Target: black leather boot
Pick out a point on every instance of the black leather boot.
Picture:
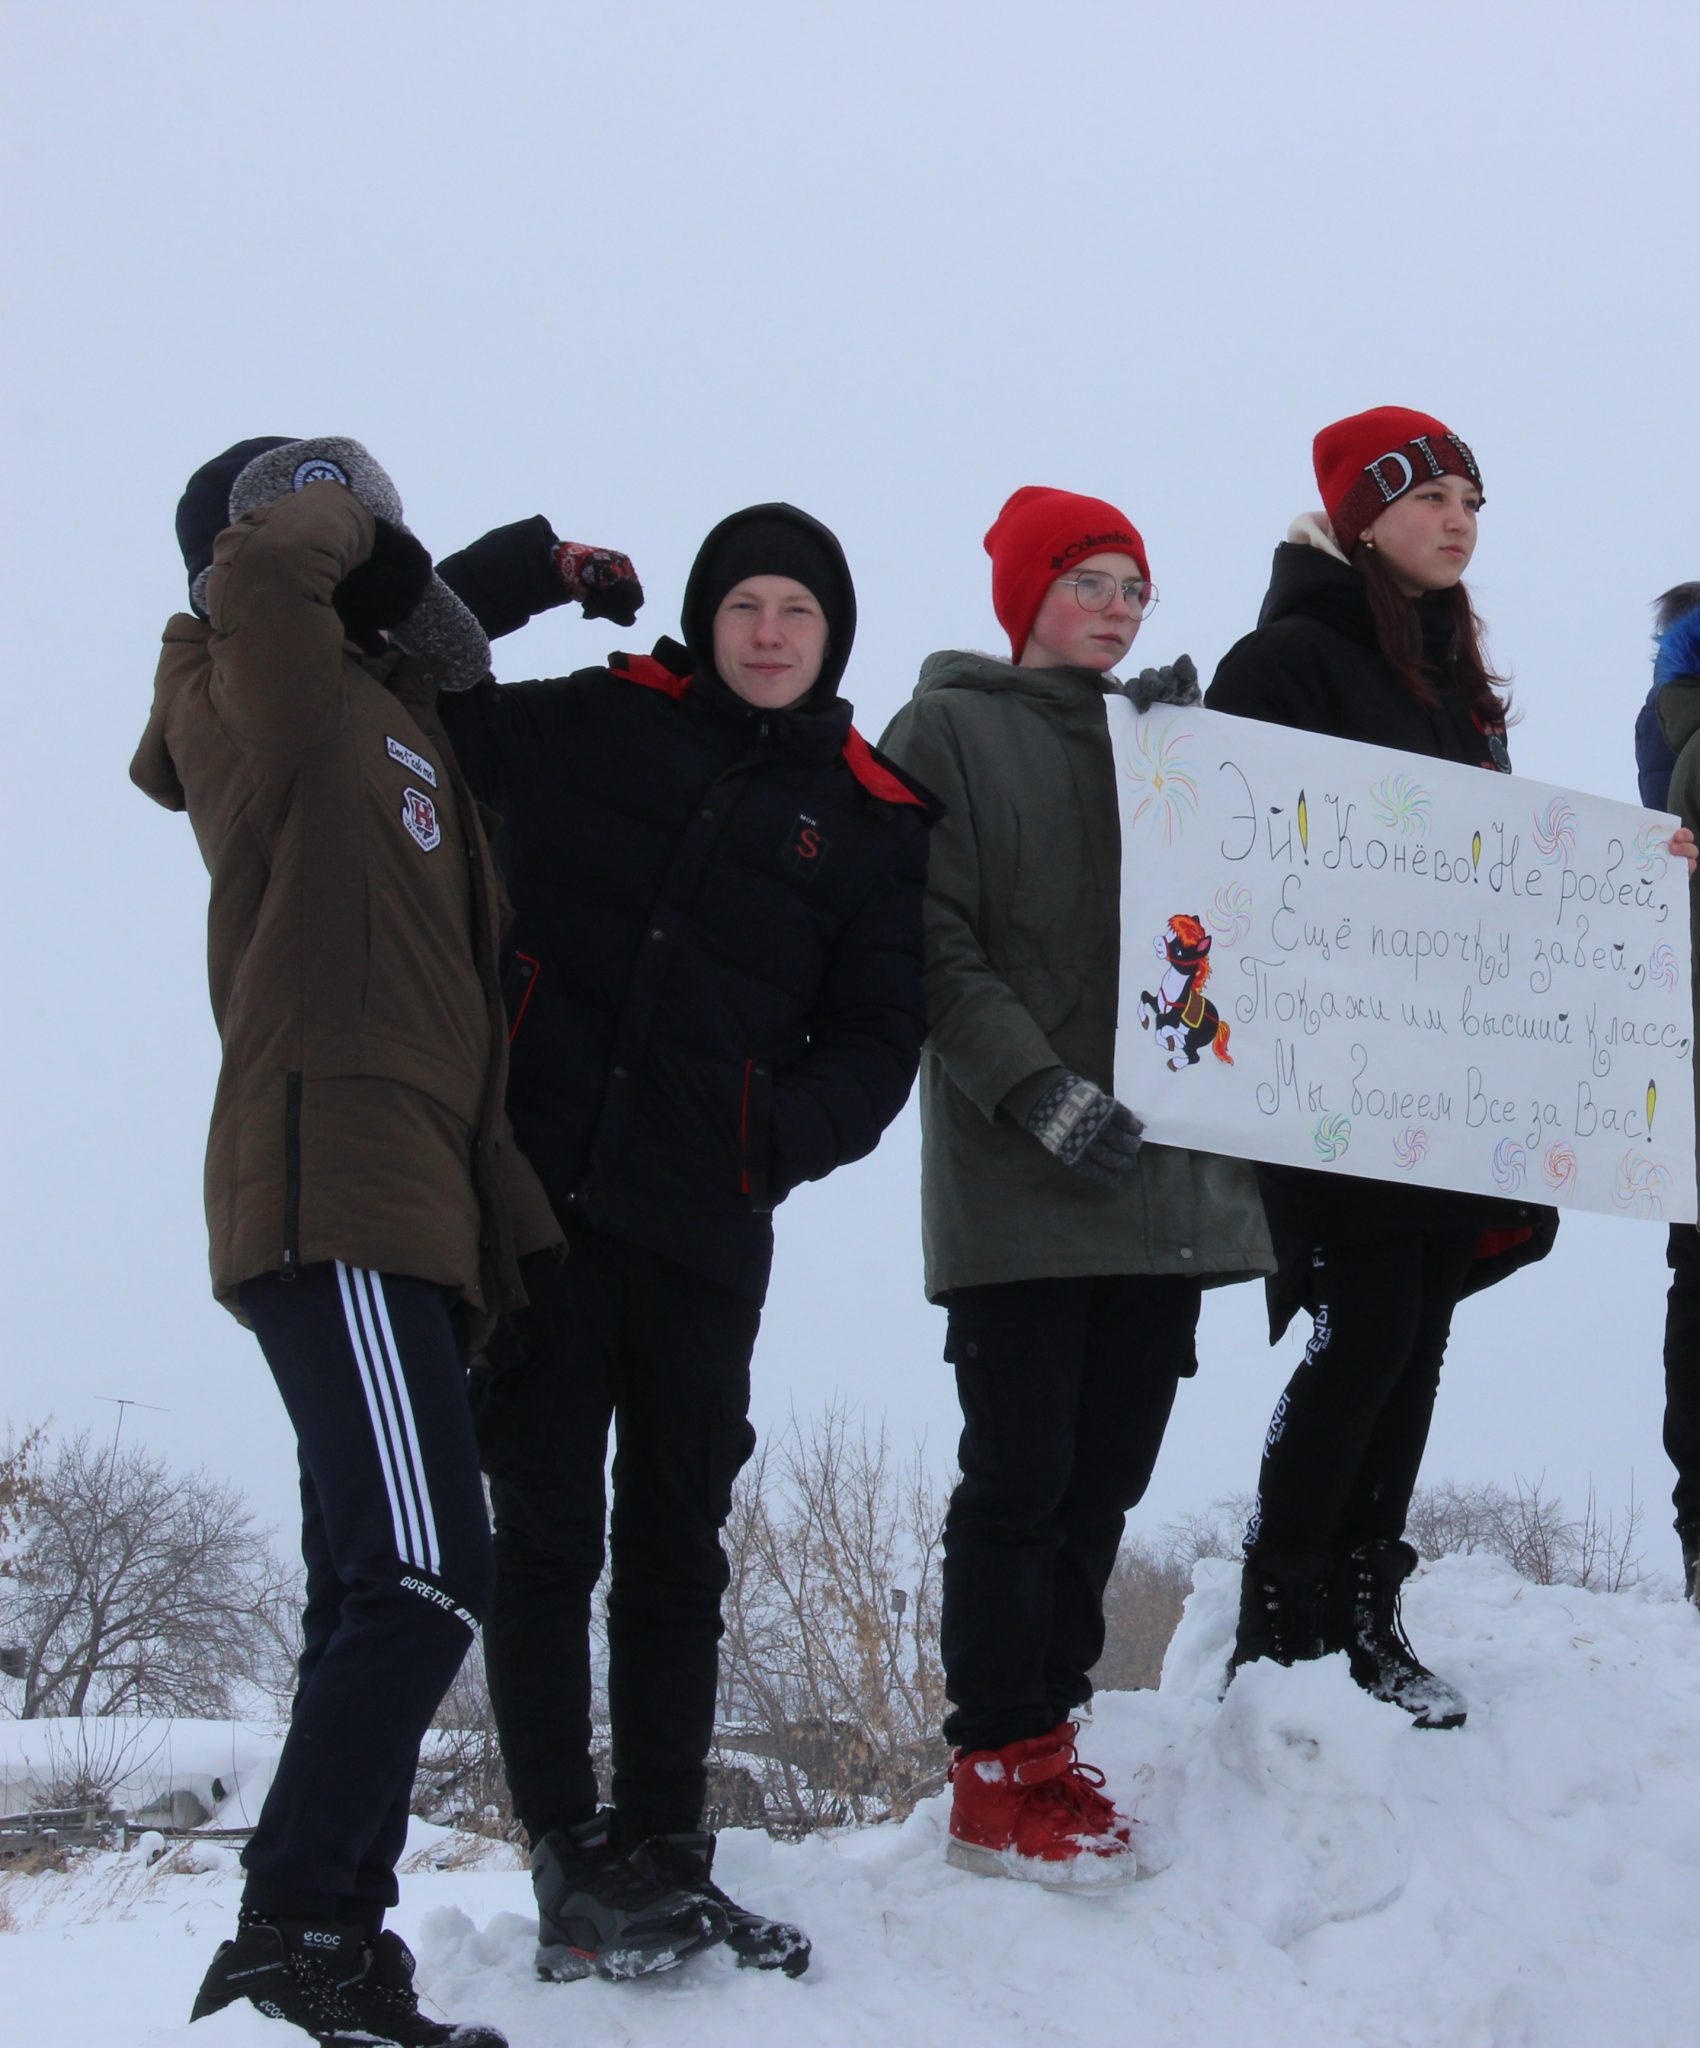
(298, 1971)
(759, 1944)
(1283, 1611)
(1366, 1621)
(597, 1912)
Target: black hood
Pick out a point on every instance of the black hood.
(203, 511)
(1307, 582)
(774, 540)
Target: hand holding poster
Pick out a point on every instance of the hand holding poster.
(1342, 957)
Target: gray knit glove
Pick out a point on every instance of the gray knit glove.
(1079, 1124)
(1174, 683)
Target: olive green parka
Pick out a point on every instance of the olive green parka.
(1023, 936)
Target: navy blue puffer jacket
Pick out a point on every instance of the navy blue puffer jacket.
(714, 970)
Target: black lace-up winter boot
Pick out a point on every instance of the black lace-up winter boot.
(294, 1970)
(1689, 1536)
(597, 1912)
(1283, 1612)
(389, 2006)
(1366, 1594)
(687, 1861)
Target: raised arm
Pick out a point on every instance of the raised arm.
(277, 640)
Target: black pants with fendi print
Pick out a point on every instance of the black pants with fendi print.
(1346, 1441)
(620, 1335)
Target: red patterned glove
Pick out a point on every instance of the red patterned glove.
(603, 582)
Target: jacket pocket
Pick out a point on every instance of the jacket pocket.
(755, 1111)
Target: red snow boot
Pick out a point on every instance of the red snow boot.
(1033, 1810)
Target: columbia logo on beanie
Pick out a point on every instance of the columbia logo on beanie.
(1040, 533)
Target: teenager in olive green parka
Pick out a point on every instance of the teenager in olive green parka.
(1070, 1256)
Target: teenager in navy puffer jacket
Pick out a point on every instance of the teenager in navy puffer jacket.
(714, 979)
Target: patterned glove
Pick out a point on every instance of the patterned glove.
(1087, 1129)
(602, 581)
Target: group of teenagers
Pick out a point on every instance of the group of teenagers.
(536, 999)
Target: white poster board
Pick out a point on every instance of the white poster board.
(1342, 957)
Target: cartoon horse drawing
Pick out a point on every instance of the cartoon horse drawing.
(1184, 1020)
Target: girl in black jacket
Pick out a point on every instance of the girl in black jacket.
(1368, 634)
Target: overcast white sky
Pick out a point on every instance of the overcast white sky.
(637, 265)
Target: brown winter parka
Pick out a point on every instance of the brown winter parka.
(351, 936)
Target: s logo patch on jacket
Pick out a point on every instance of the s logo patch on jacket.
(419, 815)
(805, 847)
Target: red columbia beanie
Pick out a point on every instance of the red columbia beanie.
(1364, 463)
(1041, 534)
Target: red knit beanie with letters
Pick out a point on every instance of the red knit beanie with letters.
(1365, 462)
(1040, 535)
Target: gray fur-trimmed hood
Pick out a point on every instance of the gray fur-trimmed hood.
(440, 628)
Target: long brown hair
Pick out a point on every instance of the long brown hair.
(1399, 633)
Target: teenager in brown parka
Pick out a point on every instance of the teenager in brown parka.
(366, 1204)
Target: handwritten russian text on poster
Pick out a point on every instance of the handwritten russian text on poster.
(1342, 957)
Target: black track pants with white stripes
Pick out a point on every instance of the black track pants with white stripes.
(396, 1542)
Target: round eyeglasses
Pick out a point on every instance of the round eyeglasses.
(1093, 589)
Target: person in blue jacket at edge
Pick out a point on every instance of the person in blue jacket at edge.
(1667, 764)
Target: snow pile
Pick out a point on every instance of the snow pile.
(1332, 1876)
(140, 1762)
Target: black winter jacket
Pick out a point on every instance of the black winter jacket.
(714, 970)
(1314, 663)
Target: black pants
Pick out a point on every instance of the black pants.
(623, 1334)
(396, 1543)
(1066, 1388)
(1346, 1441)
(1682, 1372)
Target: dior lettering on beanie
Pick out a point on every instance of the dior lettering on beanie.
(1040, 535)
(1365, 462)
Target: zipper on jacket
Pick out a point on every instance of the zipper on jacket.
(291, 1176)
(744, 1131)
(525, 971)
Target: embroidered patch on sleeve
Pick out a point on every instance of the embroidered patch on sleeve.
(419, 815)
(319, 469)
(409, 759)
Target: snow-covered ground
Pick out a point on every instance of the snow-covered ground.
(1333, 1877)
